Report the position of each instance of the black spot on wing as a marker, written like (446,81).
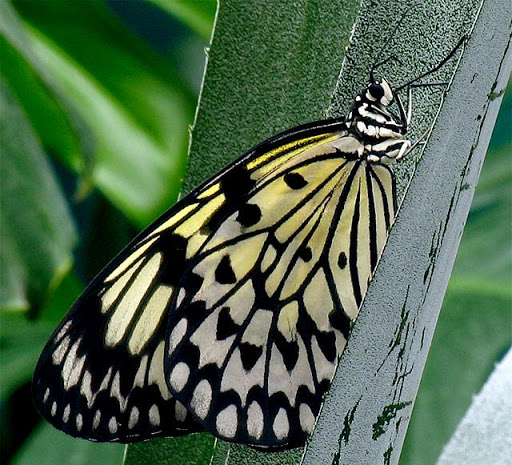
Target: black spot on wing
(192,284)
(224,274)
(327,343)
(295,181)
(226,327)
(249,354)
(323,385)
(306,254)
(188,354)
(236,184)
(342,260)
(173,248)
(195,313)
(340,320)
(249,215)
(289,351)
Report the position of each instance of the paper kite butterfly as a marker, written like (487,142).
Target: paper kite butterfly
(229,313)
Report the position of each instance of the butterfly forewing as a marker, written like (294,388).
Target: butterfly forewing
(100,376)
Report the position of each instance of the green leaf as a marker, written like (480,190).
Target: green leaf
(486,257)
(365,414)
(270,67)
(29,82)
(132,103)
(239,454)
(47,446)
(37,233)
(472,333)
(475,321)
(195,449)
(196,15)
(21,342)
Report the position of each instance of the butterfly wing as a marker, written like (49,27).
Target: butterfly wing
(233,306)
(100,376)
(264,308)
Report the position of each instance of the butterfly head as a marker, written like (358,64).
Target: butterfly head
(371,118)
(379,92)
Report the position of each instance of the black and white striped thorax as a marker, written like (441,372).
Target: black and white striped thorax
(380,131)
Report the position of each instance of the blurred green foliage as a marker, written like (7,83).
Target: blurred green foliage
(96,99)
(96,102)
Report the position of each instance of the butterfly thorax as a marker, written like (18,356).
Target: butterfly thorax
(379,130)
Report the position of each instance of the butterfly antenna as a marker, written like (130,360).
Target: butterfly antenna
(433,70)
(377,64)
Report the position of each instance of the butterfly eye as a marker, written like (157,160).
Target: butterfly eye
(376,90)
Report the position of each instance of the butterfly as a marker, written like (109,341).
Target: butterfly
(229,313)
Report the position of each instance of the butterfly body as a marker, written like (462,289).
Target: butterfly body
(229,313)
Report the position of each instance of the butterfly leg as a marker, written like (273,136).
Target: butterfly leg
(406,148)
(410,87)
